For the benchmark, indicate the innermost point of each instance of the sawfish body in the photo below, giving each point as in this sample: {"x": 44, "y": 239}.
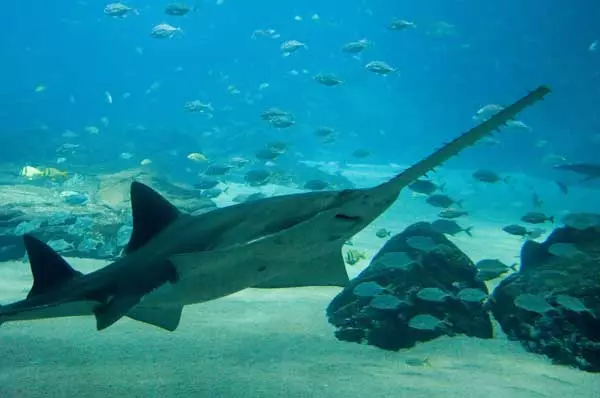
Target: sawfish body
{"x": 175, "y": 259}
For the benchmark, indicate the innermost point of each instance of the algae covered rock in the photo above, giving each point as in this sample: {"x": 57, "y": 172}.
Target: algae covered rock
{"x": 418, "y": 287}
{"x": 94, "y": 228}
{"x": 552, "y": 305}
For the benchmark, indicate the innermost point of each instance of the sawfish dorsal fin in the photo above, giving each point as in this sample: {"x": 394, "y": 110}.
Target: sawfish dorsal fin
{"x": 151, "y": 214}
{"x": 49, "y": 269}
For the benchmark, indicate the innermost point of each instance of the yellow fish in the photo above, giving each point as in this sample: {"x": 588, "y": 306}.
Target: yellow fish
{"x": 54, "y": 174}
{"x": 31, "y": 172}
{"x": 43, "y": 172}
{"x": 353, "y": 256}
{"x": 197, "y": 157}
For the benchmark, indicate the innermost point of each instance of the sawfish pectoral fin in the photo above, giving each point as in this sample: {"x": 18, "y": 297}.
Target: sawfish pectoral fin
{"x": 328, "y": 270}
{"x": 116, "y": 308}
{"x": 167, "y": 318}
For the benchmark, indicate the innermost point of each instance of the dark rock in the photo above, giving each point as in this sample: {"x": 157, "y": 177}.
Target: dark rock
{"x": 390, "y": 322}
{"x": 10, "y": 217}
{"x": 11, "y": 248}
{"x": 568, "y": 333}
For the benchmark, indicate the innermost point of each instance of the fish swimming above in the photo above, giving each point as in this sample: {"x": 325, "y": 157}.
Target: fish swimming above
{"x": 590, "y": 171}
{"x": 175, "y": 259}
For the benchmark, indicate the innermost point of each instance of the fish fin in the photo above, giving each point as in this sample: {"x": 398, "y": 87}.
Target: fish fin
{"x": 163, "y": 317}
{"x": 115, "y": 309}
{"x": 468, "y": 231}
{"x": 152, "y": 213}
{"x": 329, "y": 270}
{"x": 49, "y": 269}
{"x": 590, "y": 177}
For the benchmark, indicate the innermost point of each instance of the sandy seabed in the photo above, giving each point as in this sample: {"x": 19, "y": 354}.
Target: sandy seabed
{"x": 264, "y": 343}
{"x": 276, "y": 343}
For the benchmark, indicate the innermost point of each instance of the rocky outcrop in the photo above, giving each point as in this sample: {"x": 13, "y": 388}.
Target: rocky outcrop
{"x": 418, "y": 287}
{"x": 552, "y": 305}
{"x": 98, "y": 228}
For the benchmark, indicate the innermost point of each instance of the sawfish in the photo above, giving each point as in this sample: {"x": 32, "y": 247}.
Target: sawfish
{"x": 174, "y": 259}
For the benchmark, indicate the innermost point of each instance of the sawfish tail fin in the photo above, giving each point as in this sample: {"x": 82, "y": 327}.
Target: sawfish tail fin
{"x": 49, "y": 269}
{"x": 469, "y": 138}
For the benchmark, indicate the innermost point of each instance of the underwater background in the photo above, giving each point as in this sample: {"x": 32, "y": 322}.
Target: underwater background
{"x": 90, "y": 101}
{"x": 487, "y": 52}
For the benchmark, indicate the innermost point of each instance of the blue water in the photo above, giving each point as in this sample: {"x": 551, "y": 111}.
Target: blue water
{"x": 499, "y": 52}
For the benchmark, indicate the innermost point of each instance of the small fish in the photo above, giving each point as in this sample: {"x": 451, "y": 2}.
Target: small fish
{"x": 217, "y": 169}
{"x": 291, "y": 46}
{"x": 396, "y": 260}
{"x": 488, "y": 176}
{"x": 178, "y": 9}
{"x": 197, "y": 157}
{"x": 353, "y": 256}
{"x": 567, "y": 250}
{"x": 517, "y": 124}
{"x": 355, "y": 47}
{"x": 368, "y": 289}
{"x": 206, "y": 183}
{"x": 108, "y": 96}
{"x": 242, "y": 198}
{"x": 51, "y": 173}
{"x": 425, "y": 322}
{"x": 164, "y": 31}
{"x": 118, "y": 10}
{"x": 451, "y": 213}
{"x": 433, "y": 294}
{"x": 487, "y": 111}
{"x": 449, "y": 227}
{"x": 146, "y": 162}
{"x": 328, "y": 79}
{"x": 533, "y": 303}
{"x": 582, "y": 221}
{"x": 517, "y": 230}
{"x": 380, "y": 68}
{"x": 444, "y": 201}
{"x": 257, "y": 177}
{"x": 425, "y": 187}
{"x": 40, "y": 89}
{"x": 198, "y": 106}
{"x": 401, "y": 24}
{"x": 316, "y": 185}
{"x": 266, "y": 154}
{"x": 383, "y": 233}
{"x": 571, "y": 303}
{"x": 91, "y": 130}
{"x": 324, "y": 132}
{"x": 593, "y": 47}
{"x": 421, "y": 243}
{"x": 386, "y": 302}
{"x": 472, "y": 295}
{"x": 418, "y": 362}
{"x": 361, "y": 153}
{"x": 535, "y": 217}
{"x": 489, "y": 269}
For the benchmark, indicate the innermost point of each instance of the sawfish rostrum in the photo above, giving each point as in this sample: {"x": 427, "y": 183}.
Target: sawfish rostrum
{"x": 175, "y": 259}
